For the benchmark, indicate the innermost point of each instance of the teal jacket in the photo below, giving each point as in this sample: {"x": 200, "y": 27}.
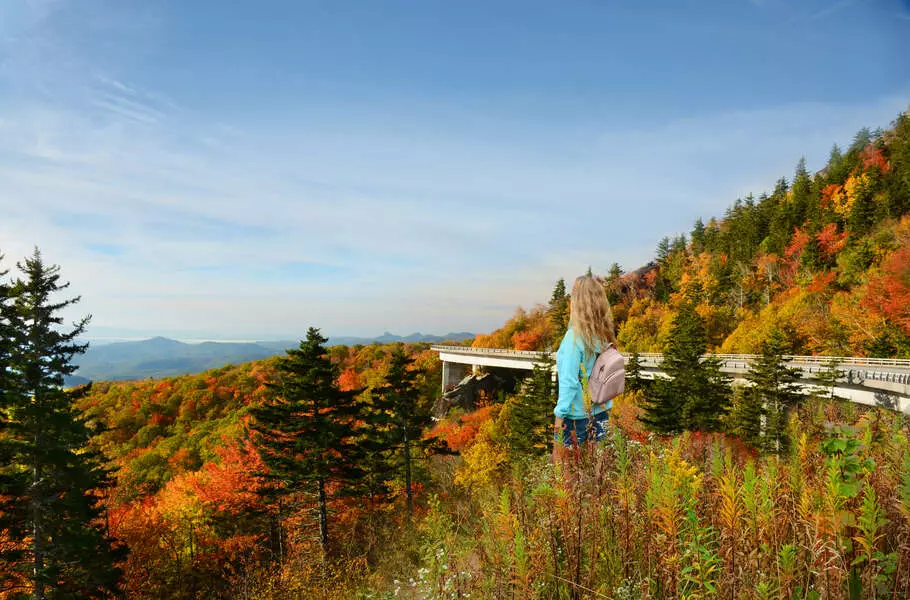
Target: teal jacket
{"x": 569, "y": 358}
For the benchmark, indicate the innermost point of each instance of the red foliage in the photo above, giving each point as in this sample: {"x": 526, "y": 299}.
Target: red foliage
{"x": 797, "y": 244}
{"x": 830, "y": 242}
{"x": 874, "y": 157}
{"x": 889, "y": 291}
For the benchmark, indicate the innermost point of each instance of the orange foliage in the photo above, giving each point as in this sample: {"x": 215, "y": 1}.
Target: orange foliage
{"x": 889, "y": 290}
{"x": 349, "y": 380}
{"x": 459, "y": 435}
{"x": 526, "y": 330}
{"x": 821, "y": 282}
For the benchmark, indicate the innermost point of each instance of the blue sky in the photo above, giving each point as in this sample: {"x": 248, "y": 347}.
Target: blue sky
{"x": 247, "y": 169}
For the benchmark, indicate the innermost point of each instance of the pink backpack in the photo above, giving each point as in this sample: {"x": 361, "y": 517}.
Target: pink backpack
{"x": 608, "y": 377}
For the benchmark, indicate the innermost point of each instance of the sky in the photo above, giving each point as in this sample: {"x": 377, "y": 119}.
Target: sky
{"x": 245, "y": 170}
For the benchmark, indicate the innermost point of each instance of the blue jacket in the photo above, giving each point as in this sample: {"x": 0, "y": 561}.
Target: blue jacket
{"x": 569, "y": 358}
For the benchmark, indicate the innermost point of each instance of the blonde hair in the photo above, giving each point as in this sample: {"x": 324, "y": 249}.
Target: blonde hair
{"x": 590, "y": 316}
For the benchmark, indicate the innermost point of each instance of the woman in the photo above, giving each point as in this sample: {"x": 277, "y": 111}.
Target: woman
{"x": 590, "y": 330}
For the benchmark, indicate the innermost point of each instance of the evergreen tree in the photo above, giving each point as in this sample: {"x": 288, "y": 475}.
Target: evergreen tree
{"x": 827, "y": 379}
{"x": 614, "y": 273}
{"x": 531, "y": 412}
{"x": 51, "y": 480}
{"x": 698, "y": 237}
{"x": 307, "y": 436}
{"x": 663, "y": 250}
{"x": 777, "y": 386}
{"x": 409, "y": 416}
{"x": 746, "y": 416}
{"x": 696, "y": 395}
{"x": 634, "y": 380}
{"x": 558, "y": 311}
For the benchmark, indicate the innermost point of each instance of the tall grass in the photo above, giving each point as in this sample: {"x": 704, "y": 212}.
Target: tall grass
{"x": 697, "y": 516}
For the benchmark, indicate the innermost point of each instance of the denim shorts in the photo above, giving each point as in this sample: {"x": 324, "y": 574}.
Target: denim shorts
{"x": 575, "y": 431}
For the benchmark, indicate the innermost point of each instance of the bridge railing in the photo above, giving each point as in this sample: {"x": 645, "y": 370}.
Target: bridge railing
{"x": 843, "y": 361}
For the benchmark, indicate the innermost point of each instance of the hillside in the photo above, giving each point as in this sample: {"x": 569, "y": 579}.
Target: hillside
{"x": 825, "y": 257}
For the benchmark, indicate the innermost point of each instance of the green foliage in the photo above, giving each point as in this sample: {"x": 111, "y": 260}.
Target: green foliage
{"x": 530, "y": 413}
{"x": 558, "y": 312}
{"x": 695, "y": 396}
{"x": 776, "y": 387}
{"x": 53, "y": 539}
{"x": 307, "y": 436}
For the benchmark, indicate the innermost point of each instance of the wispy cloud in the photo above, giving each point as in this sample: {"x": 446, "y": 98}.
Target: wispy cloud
{"x": 179, "y": 217}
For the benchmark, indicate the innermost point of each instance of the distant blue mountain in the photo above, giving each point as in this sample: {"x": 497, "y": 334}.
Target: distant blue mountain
{"x": 163, "y": 357}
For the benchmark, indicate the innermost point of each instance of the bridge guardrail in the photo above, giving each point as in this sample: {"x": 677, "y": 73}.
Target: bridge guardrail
{"x": 843, "y": 361}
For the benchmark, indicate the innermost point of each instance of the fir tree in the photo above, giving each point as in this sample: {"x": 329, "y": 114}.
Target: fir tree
{"x": 51, "y": 480}
{"x": 409, "y": 416}
{"x": 776, "y": 385}
{"x": 308, "y": 436}
{"x": 827, "y": 379}
{"x": 531, "y": 412}
{"x": 634, "y": 380}
{"x": 696, "y": 395}
{"x": 746, "y": 416}
{"x": 558, "y": 311}
{"x": 614, "y": 273}
{"x": 698, "y": 237}
{"x": 663, "y": 250}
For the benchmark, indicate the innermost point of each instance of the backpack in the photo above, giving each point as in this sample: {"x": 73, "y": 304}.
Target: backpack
{"x": 608, "y": 377}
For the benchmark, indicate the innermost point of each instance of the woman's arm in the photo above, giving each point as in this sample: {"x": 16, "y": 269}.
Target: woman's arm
{"x": 568, "y": 365}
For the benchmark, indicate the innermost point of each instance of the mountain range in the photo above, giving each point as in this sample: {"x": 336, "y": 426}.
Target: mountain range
{"x": 164, "y": 357}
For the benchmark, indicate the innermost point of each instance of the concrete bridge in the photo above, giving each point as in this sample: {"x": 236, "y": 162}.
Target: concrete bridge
{"x": 874, "y": 381}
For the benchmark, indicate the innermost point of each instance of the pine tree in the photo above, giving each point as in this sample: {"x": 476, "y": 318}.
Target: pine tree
{"x": 308, "y": 435}
{"x": 531, "y": 412}
{"x": 558, "y": 311}
{"x": 51, "y": 480}
{"x": 777, "y": 386}
{"x": 696, "y": 394}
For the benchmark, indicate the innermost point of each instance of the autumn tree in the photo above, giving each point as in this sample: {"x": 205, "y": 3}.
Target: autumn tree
{"x": 308, "y": 436}
{"x": 51, "y": 480}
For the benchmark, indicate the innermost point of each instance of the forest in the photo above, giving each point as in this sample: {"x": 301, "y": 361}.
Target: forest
{"x": 322, "y": 473}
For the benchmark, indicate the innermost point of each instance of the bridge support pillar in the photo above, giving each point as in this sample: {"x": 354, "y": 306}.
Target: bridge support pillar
{"x": 452, "y": 374}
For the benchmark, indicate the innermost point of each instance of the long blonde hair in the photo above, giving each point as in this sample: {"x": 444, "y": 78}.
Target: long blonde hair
{"x": 590, "y": 316}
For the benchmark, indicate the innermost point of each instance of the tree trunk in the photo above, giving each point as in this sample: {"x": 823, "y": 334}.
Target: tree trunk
{"x": 407, "y": 471}
{"x": 38, "y": 592}
{"x": 323, "y": 518}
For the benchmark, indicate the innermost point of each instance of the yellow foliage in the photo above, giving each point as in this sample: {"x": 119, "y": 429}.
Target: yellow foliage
{"x": 483, "y": 459}
{"x": 845, "y": 198}
{"x": 647, "y": 328}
